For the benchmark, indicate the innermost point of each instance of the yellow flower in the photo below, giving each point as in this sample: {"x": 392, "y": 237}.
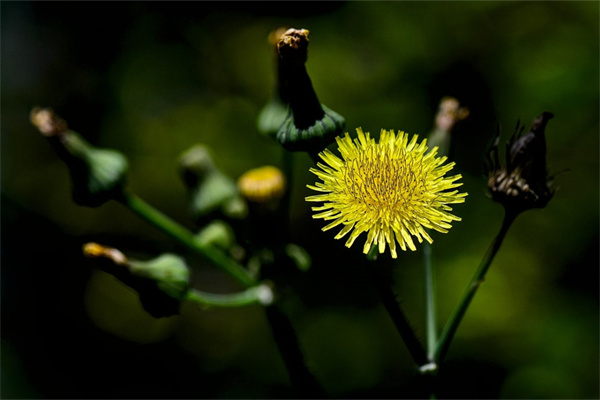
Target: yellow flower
{"x": 390, "y": 189}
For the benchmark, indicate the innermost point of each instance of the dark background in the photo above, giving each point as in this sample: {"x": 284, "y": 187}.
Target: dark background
{"x": 152, "y": 79}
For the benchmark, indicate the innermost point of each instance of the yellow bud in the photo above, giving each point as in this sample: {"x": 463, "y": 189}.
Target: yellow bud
{"x": 262, "y": 184}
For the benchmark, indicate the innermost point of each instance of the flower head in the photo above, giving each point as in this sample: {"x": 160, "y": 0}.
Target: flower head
{"x": 392, "y": 190}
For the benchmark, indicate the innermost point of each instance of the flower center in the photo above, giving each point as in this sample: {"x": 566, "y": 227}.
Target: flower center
{"x": 384, "y": 180}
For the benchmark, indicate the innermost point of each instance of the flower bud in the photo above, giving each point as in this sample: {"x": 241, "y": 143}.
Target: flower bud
{"x": 97, "y": 175}
{"x": 263, "y": 188}
{"x": 299, "y": 256}
{"x": 209, "y": 188}
{"x": 216, "y": 233}
{"x": 162, "y": 283}
{"x": 309, "y": 125}
{"x": 523, "y": 182}
{"x": 262, "y": 185}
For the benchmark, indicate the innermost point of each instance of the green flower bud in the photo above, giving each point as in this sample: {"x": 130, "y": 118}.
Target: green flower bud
{"x": 308, "y": 125}
{"x": 162, "y": 283}
{"x": 299, "y": 256}
{"x": 97, "y": 175}
{"x": 218, "y": 234}
{"x": 210, "y": 189}
{"x": 169, "y": 271}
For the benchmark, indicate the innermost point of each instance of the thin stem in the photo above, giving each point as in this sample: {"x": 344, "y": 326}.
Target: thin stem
{"x": 184, "y": 236}
{"x": 396, "y": 313}
{"x": 478, "y": 278}
{"x": 302, "y": 379}
{"x": 253, "y": 295}
{"x": 430, "y": 308}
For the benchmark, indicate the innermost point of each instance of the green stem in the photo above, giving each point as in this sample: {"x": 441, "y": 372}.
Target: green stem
{"x": 184, "y": 236}
{"x": 253, "y": 295}
{"x": 430, "y": 301}
{"x": 388, "y": 297}
{"x": 478, "y": 278}
{"x": 304, "y": 382}
{"x": 286, "y": 340}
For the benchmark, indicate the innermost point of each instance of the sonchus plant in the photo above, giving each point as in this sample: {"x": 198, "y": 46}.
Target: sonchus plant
{"x": 397, "y": 190}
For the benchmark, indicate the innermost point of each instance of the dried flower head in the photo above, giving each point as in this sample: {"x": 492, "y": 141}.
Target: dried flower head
{"x": 392, "y": 190}
{"x": 523, "y": 182}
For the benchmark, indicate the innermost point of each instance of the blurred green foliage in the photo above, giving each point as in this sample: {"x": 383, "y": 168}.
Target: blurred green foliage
{"x": 153, "y": 79}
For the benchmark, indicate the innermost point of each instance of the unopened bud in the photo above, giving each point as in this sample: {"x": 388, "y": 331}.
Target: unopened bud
{"x": 299, "y": 256}
{"x": 161, "y": 283}
{"x": 210, "y": 189}
{"x": 217, "y": 233}
{"x": 262, "y": 185}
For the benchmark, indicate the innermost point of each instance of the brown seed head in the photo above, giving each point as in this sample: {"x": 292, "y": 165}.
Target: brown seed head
{"x": 523, "y": 182}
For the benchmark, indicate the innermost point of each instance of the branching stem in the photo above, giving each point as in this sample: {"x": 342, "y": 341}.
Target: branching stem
{"x": 184, "y": 236}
